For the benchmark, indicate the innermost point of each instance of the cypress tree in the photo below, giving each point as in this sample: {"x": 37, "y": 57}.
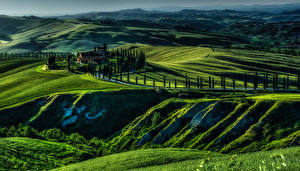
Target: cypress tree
{"x": 201, "y": 83}
{"x": 276, "y": 81}
{"x": 284, "y": 84}
{"x": 287, "y": 82}
{"x": 69, "y": 62}
{"x": 267, "y": 80}
{"x": 245, "y": 81}
{"x": 233, "y": 82}
{"x": 256, "y": 81}
{"x": 186, "y": 81}
{"x": 128, "y": 79}
{"x": 224, "y": 82}
{"x": 298, "y": 86}
{"x": 264, "y": 81}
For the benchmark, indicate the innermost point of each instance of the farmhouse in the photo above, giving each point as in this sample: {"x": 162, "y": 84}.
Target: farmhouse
{"x": 99, "y": 55}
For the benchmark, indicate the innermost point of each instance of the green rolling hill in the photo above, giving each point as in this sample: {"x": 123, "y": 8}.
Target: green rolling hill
{"x": 224, "y": 125}
{"x": 42, "y": 34}
{"x": 33, "y": 154}
{"x": 25, "y": 80}
{"x": 175, "y": 62}
{"x": 184, "y": 159}
{"x": 144, "y": 128}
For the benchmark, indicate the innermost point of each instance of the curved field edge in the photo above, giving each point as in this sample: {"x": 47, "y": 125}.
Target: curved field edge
{"x": 184, "y": 159}
{"x": 21, "y": 86}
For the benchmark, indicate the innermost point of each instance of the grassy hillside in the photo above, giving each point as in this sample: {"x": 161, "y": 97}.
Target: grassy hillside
{"x": 34, "y": 34}
{"x": 33, "y": 154}
{"x": 183, "y": 159}
{"x": 47, "y": 99}
{"x": 99, "y": 114}
{"x": 24, "y": 80}
{"x": 175, "y": 62}
{"x": 226, "y": 125}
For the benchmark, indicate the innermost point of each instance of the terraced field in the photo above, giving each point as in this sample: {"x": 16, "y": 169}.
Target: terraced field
{"x": 175, "y": 62}
{"x": 184, "y": 159}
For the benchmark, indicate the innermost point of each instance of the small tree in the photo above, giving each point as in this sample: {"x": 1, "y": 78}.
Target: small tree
{"x": 69, "y": 62}
{"x": 51, "y": 62}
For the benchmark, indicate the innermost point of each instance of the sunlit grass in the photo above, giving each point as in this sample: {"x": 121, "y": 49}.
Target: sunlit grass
{"x": 31, "y": 83}
{"x": 183, "y": 159}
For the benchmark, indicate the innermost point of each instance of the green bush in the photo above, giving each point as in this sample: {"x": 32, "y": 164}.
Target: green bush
{"x": 75, "y": 139}
{"x": 27, "y": 131}
{"x": 53, "y": 134}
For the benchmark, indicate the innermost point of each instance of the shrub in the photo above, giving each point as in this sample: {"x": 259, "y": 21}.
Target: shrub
{"x": 75, "y": 139}
{"x": 27, "y": 131}
{"x": 53, "y": 134}
{"x": 3, "y": 132}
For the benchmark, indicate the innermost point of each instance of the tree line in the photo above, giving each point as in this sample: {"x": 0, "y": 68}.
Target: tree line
{"x": 263, "y": 48}
{"x": 265, "y": 81}
{"x": 122, "y": 61}
{"x": 91, "y": 148}
{"x": 40, "y": 55}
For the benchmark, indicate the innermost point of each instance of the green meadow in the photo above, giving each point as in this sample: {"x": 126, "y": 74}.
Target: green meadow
{"x": 26, "y": 153}
{"x": 175, "y": 62}
{"x": 25, "y": 80}
{"x": 62, "y": 120}
{"x": 72, "y": 35}
{"x": 185, "y": 159}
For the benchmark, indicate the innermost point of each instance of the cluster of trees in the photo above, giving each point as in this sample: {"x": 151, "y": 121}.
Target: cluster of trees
{"x": 273, "y": 33}
{"x": 51, "y": 62}
{"x": 263, "y": 48}
{"x": 60, "y": 63}
{"x": 94, "y": 147}
{"x": 41, "y": 55}
{"x": 129, "y": 60}
{"x": 126, "y": 60}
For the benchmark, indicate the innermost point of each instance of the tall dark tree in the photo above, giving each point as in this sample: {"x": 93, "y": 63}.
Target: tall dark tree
{"x": 69, "y": 62}
{"x": 51, "y": 62}
{"x": 104, "y": 47}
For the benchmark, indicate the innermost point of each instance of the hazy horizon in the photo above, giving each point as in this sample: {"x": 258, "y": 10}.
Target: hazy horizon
{"x": 63, "y": 7}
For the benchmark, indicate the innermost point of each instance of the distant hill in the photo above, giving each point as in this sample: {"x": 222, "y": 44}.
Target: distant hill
{"x": 72, "y": 33}
{"x": 261, "y": 8}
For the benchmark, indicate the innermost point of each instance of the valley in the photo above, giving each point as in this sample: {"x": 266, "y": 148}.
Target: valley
{"x": 168, "y": 90}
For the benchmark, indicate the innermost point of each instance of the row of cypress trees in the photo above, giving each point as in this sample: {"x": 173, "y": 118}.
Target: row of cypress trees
{"x": 41, "y": 55}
